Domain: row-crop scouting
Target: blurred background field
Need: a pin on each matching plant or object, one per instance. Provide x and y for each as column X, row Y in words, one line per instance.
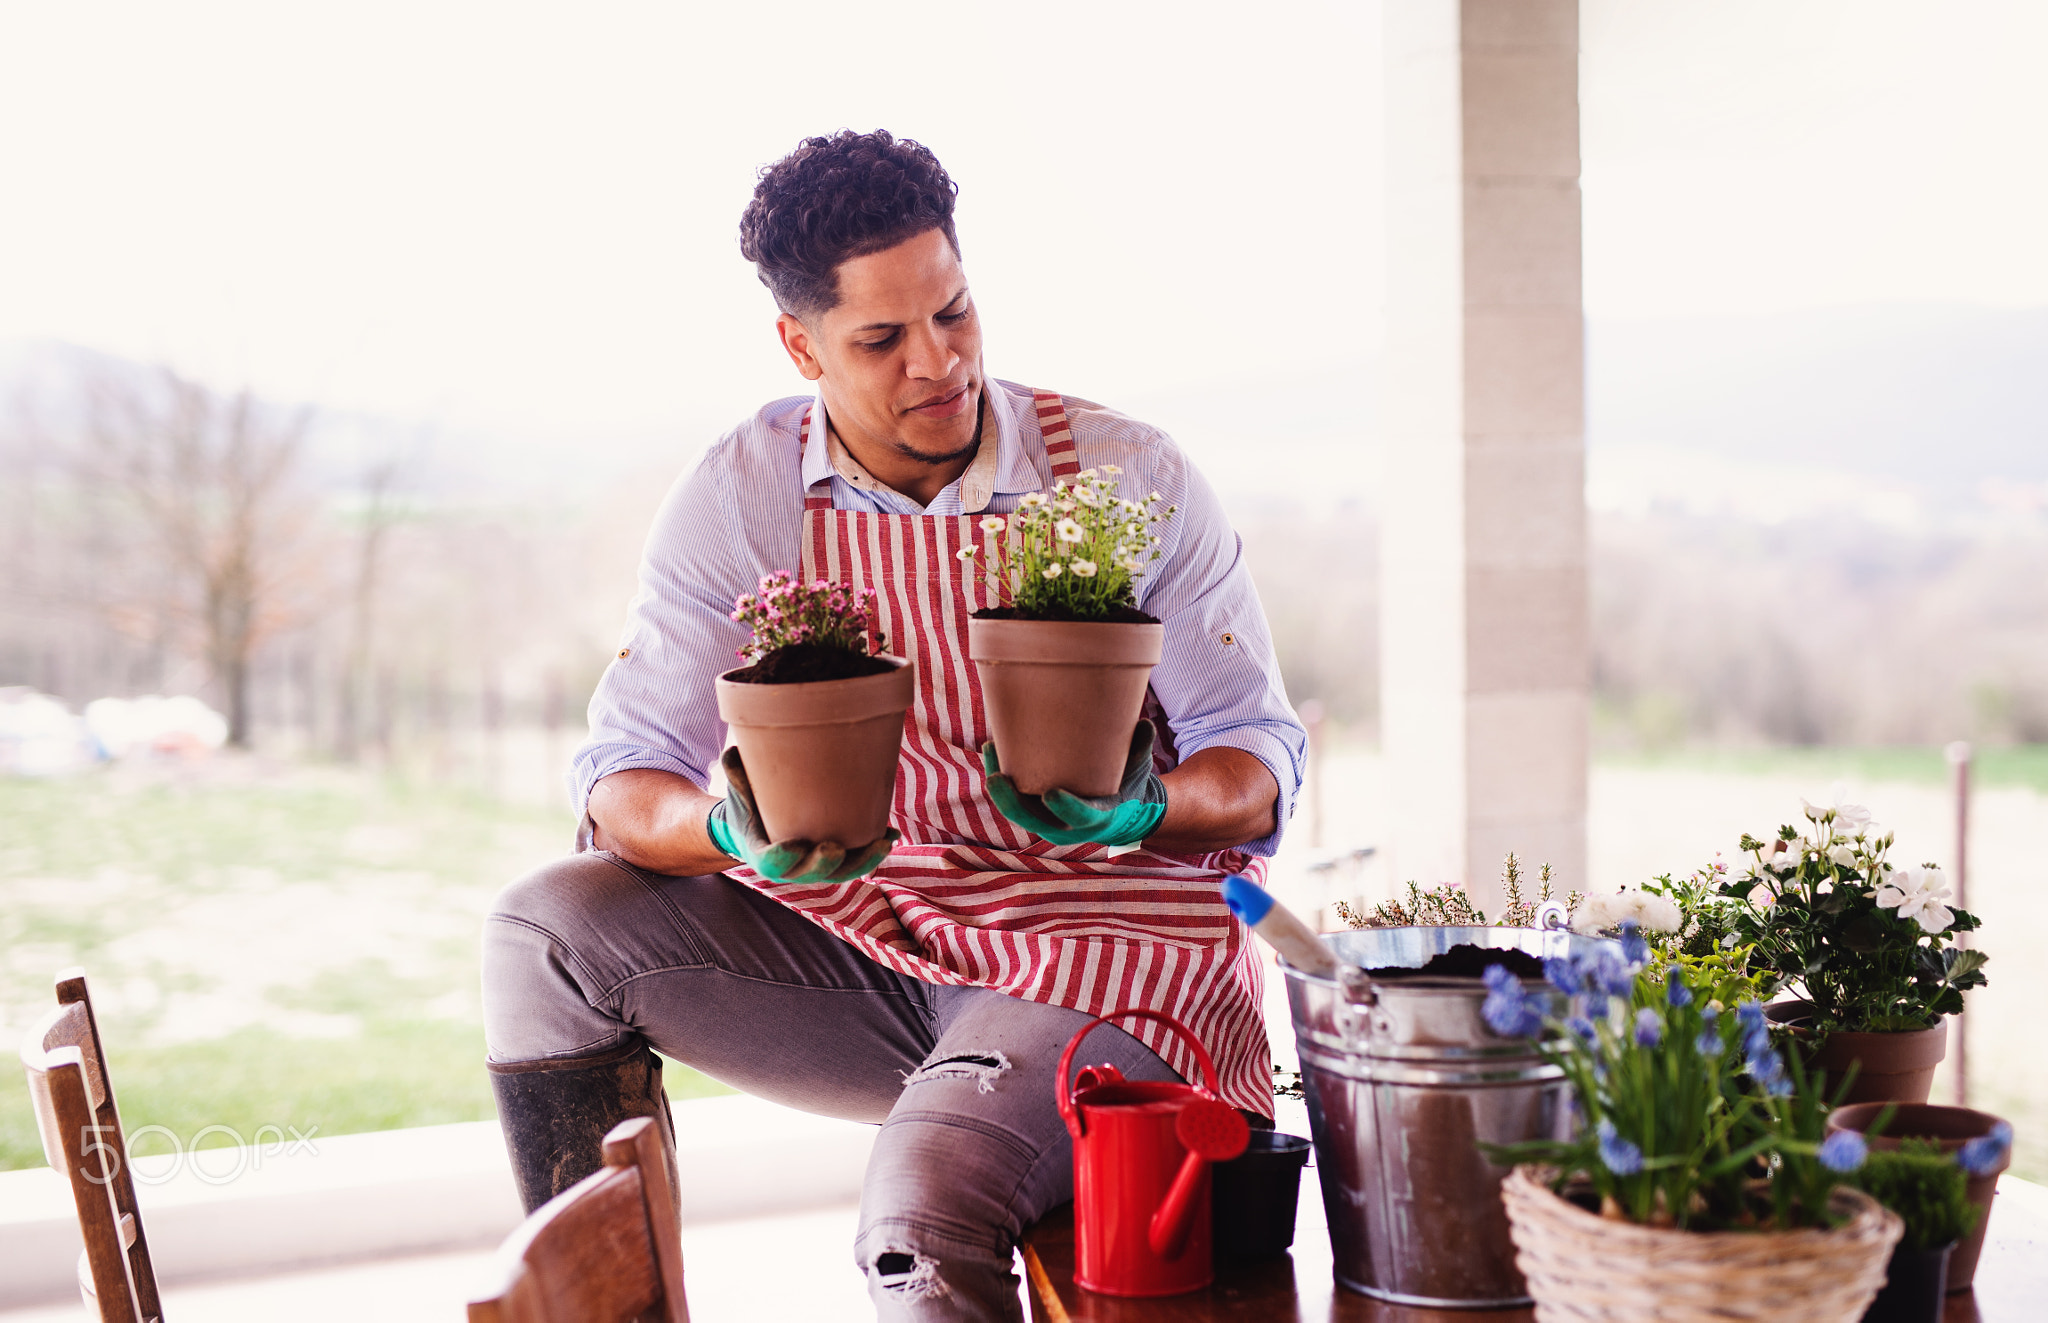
column 269, row 945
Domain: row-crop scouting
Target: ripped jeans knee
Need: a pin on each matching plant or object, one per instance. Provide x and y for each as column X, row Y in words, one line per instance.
column 908, row 1275
column 984, row 1068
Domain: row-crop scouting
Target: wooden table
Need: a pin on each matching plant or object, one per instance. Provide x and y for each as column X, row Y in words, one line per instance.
column 2011, row 1286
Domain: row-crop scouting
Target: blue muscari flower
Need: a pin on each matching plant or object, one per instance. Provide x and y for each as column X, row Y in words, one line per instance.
column 1605, row 972
column 1675, row 990
column 1621, row 1157
column 1708, row 1044
column 1767, row 1068
column 1581, row 1029
column 1980, row 1157
column 1563, row 976
column 1843, row 1151
column 1649, row 1028
column 1756, row 1032
column 1633, row 948
column 1509, row 1011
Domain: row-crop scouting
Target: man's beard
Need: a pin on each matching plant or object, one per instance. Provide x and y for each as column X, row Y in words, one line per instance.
column 909, row 451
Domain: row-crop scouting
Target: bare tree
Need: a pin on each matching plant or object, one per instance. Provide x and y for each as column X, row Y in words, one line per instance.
column 211, row 480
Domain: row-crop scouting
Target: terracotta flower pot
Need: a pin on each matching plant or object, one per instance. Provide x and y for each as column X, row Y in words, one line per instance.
column 821, row 756
column 1890, row 1067
column 1063, row 697
column 1951, row 1128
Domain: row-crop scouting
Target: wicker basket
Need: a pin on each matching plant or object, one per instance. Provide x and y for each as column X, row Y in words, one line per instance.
column 1582, row 1266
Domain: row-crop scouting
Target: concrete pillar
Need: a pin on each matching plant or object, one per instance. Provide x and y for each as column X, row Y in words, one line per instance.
column 1484, row 689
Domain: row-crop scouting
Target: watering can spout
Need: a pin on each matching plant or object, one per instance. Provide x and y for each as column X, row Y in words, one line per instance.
column 1211, row 1131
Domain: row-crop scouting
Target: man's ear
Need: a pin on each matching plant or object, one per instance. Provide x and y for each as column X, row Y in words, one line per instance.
column 796, row 342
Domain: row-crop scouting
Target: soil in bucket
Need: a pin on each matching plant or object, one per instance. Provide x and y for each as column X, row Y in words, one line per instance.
column 1464, row 961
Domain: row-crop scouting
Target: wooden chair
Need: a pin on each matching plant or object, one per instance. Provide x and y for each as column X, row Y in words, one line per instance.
column 605, row 1250
column 82, row 1138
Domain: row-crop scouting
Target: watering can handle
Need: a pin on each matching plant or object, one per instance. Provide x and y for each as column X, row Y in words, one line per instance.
column 1063, row 1092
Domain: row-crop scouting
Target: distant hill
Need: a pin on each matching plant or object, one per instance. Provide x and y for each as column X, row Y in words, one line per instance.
column 1940, row 396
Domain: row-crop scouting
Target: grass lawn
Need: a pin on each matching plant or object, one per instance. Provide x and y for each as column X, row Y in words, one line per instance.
column 268, row 946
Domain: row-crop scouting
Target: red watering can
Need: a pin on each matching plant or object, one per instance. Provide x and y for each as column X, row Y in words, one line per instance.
column 1141, row 1170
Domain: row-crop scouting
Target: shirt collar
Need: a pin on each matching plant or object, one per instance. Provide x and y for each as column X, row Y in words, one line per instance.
column 1003, row 467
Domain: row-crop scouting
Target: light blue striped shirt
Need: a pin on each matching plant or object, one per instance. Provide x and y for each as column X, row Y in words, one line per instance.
column 739, row 515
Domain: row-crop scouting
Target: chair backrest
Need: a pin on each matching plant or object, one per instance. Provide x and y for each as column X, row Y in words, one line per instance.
column 605, row 1250
column 83, row 1139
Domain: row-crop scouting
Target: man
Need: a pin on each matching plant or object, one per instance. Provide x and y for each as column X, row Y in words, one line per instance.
column 932, row 990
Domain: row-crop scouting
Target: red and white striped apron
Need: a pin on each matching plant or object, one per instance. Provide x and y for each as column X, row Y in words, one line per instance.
column 968, row 897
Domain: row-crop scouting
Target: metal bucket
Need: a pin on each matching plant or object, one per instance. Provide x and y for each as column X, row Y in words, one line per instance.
column 1403, row 1080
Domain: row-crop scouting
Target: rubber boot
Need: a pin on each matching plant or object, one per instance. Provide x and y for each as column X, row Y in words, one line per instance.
column 556, row 1112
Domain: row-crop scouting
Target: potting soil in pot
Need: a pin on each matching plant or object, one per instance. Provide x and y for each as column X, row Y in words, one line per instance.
column 1465, row 961
column 806, row 663
column 1122, row 615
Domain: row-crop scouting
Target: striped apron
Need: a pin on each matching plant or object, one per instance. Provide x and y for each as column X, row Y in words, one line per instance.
column 968, row 897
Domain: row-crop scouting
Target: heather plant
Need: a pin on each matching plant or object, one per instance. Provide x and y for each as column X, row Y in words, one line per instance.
column 823, row 614
column 1688, row 1115
column 1447, row 905
column 1868, row 943
column 1927, row 1188
column 1077, row 552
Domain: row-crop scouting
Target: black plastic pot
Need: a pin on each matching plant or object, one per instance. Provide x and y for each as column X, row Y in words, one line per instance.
column 1915, row 1282
column 1253, row 1196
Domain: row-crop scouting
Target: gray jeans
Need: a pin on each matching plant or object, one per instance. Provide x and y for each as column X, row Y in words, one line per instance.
column 590, row 952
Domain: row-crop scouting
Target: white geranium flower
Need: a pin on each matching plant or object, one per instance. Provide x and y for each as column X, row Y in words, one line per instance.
column 1052, row 571
column 1083, row 569
column 1917, row 893
column 1069, row 531
column 994, row 524
column 1843, row 855
column 1651, row 913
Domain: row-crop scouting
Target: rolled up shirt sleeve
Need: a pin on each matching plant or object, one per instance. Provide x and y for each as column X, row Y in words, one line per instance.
column 1218, row 679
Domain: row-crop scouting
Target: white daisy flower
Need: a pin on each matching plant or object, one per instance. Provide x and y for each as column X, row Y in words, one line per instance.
column 994, row 524
column 1052, row 571
column 966, row 553
column 1084, row 569
column 1069, row 531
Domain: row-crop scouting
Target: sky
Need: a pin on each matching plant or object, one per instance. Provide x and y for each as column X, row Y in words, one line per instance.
column 521, row 218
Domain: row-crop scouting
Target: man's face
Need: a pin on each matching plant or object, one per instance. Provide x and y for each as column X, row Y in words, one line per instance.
column 899, row 358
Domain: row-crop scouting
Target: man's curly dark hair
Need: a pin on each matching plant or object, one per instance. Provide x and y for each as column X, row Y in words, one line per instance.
column 840, row 197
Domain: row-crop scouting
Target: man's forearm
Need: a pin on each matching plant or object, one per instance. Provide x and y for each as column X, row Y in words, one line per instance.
column 655, row 820
column 1219, row 798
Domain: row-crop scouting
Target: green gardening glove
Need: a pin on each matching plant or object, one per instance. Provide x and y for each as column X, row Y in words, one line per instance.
column 1125, row 818
column 735, row 827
